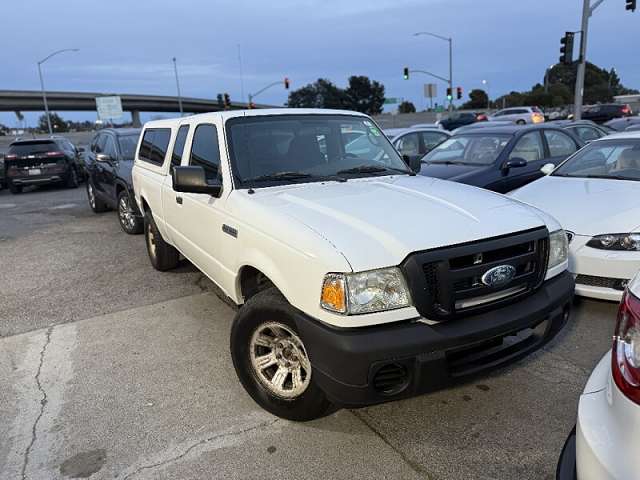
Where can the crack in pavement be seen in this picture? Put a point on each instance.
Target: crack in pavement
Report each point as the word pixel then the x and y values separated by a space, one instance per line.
pixel 43 403
pixel 197 444
pixel 416 467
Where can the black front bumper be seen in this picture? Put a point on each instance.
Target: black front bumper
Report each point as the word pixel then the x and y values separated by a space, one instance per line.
pixel 567 464
pixel 354 366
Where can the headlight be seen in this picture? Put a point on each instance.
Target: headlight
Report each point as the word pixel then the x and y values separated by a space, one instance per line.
pixel 616 241
pixel 558 248
pixel 365 292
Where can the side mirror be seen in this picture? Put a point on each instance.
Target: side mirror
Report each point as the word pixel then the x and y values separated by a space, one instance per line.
pixel 514 163
pixel 192 179
pixel 103 157
pixel 414 162
pixel 547 168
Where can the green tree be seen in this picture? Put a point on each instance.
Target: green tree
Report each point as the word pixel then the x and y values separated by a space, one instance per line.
pixel 364 95
pixel 58 125
pixel 478 99
pixel 320 94
pixel 406 107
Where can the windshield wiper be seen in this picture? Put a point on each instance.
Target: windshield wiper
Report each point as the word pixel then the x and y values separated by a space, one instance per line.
pixel 606 177
pixel 449 162
pixel 373 169
pixel 279 176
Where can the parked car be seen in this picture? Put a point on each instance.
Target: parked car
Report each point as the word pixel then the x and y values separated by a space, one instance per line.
pixel 595 195
pixel 500 158
pixel 109 161
pixel 604 444
pixel 459 119
pixel 491 124
pixel 586 130
pixel 415 142
pixel 40 162
pixel 346 267
pixel 621 124
pixel 519 115
pixel 3 175
pixel 607 111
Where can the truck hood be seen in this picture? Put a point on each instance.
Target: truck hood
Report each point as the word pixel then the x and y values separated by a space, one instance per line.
pixel 586 206
pixel 377 222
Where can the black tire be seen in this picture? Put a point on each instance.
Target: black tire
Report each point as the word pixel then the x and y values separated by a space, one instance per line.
pixel 264 308
pixel 72 179
pixel 520 122
pixel 15 189
pixel 163 256
pixel 97 205
pixel 128 218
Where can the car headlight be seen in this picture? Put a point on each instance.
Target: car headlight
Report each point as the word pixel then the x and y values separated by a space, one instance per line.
pixel 365 292
pixel 558 248
pixel 616 241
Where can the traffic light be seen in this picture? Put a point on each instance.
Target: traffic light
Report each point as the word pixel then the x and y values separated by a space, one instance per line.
pixel 449 93
pixel 566 48
pixel 459 93
pixel 630 5
pixel 220 101
pixel 227 101
pixel 405 73
pixel 286 83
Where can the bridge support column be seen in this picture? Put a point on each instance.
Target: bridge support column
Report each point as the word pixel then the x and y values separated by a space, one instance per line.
pixel 135 118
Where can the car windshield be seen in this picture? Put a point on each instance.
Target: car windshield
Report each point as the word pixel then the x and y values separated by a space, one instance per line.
pixel 128 144
pixel 475 149
pixel 613 159
pixel 34 147
pixel 279 149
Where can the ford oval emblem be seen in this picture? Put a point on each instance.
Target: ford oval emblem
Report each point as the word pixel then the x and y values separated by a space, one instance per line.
pixel 499 276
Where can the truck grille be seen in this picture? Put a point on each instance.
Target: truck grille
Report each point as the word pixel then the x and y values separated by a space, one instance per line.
pixel 448 282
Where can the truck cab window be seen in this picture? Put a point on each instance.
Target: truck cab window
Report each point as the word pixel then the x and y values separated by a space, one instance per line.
pixel 205 151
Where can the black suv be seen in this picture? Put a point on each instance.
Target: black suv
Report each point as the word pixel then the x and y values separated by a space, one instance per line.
pixel 41 162
pixel 605 112
pixel 108 163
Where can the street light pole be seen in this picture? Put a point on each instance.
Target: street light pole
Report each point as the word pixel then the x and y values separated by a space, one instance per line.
pixel 175 70
pixel 44 93
pixel 587 11
pixel 450 40
pixel 486 83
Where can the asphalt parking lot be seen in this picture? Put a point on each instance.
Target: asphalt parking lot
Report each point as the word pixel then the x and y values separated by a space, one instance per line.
pixel 110 369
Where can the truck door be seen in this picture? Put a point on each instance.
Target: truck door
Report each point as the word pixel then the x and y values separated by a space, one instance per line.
pixel 196 219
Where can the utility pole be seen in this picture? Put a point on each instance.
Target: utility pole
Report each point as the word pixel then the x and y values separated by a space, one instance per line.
pixel 587 11
pixel 175 70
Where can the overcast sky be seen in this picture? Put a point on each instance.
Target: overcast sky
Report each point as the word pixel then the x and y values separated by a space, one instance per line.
pixel 127 46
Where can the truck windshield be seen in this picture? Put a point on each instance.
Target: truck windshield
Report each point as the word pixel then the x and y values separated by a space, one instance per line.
pixel 280 149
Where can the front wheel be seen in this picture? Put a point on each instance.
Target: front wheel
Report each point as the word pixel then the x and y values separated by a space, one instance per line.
pixel 520 122
pixel 162 255
pixel 129 221
pixel 271 360
pixel 15 189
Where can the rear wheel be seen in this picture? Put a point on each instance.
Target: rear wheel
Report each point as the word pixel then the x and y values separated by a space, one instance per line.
pixel 129 221
pixel 97 205
pixel 15 189
pixel 162 255
pixel 271 360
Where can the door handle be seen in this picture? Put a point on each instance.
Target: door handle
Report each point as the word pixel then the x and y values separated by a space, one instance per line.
pixel 179 200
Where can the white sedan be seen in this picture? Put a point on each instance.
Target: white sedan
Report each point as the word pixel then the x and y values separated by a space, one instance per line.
pixel 595 195
pixel 604 444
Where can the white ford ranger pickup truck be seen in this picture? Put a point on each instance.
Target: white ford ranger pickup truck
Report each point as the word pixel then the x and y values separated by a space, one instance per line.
pixel 357 281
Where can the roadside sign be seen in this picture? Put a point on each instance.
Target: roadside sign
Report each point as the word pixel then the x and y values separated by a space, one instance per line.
pixel 109 107
pixel 430 90
pixel 391 100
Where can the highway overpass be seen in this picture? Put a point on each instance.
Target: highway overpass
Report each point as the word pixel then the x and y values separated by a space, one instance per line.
pixel 31 101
